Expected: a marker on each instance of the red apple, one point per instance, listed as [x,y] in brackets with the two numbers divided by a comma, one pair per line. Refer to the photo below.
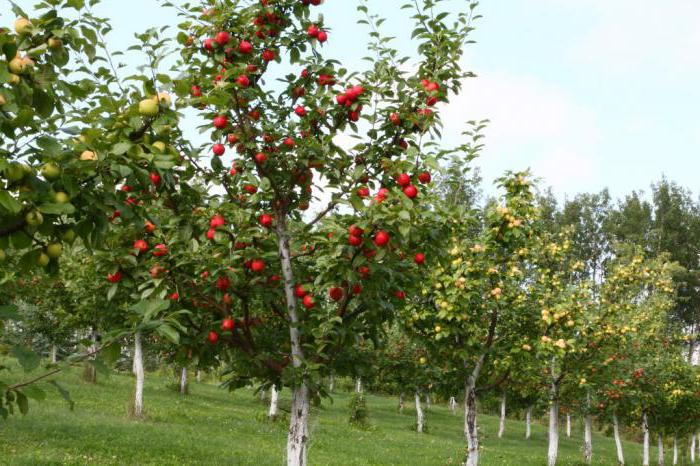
[354,240]
[245,47]
[268,55]
[299,291]
[322,36]
[222,38]
[217,221]
[257,266]
[381,238]
[243,80]
[115,277]
[220,121]
[424,177]
[222,283]
[227,325]
[335,293]
[300,111]
[312,30]
[213,337]
[155,178]
[149,227]
[400,294]
[260,158]
[265,220]
[308,302]
[141,246]
[410,191]
[419,258]
[218,149]
[403,179]
[159,250]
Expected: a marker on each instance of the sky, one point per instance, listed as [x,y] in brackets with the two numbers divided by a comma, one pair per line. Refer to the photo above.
[588,94]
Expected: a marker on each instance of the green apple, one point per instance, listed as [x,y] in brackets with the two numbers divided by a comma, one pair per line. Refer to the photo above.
[34,218]
[22,26]
[54,250]
[51,171]
[148,108]
[14,172]
[61,198]
[43,260]
[68,236]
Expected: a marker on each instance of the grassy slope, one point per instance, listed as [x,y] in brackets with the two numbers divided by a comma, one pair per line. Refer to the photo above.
[211,426]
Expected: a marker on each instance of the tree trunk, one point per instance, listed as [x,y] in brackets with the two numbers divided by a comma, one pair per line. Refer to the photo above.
[471,429]
[645,448]
[502,421]
[675,450]
[618,441]
[90,371]
[54,354]
[453,405]
[427,401]
[198,376]
[568,425]
[183,381]
[331,383]
[660,450]
[358,385]
[588,438]
[297,438]
[692,448]
[419,414]
[553,429]
[138,372]
[528,422]
[274,397]
[401,402]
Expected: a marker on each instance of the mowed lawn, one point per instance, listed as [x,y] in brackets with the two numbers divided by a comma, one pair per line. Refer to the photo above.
[211,426]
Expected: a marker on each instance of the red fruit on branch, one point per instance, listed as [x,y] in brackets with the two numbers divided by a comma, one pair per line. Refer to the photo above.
[354,230]
[322,36]
[245,47]
[299,291]
[400,294]
[403,179]
[395,119]
[149,227]
[223,283]
[211,234]
[217,221]
[424,177]
[308,302]
[218,149]
[381,195]
[196,91]
[356,289]
[220,121]
[213,337]
[265,220]
[250,189]
[363,192]
[222,38]
[289,142]
[312,31]
[268,55]
[300,111]
[381,238]
[115,277]
[257,266]
[208,44]
[159,250]
[155,178]
[231,138]
[410,191]
[174,296]
[260,158]
[141,246]
[335,293]
[354,240]
[243,80]
[227,325]
[419,258]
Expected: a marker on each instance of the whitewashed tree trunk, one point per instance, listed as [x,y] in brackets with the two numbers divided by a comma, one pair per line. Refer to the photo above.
[502,420]
[471,429]
[692,448]
[618,441]
[274,398]
[401,402]
[54,354]
[358,385]
[568,425]
[675,450]
[198,376]
[331,383]
[528,422]
[427,401]
[91,371]
[645,447]
[588,438]
[553,429]
[139,373]
[453,405]
[183,381]
[298,434]
[419,414]
[660,450]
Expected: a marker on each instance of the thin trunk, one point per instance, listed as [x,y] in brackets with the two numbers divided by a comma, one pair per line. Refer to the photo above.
[645,448]
[502,422]
[528,422]
[298,435]
[358,385]
[553,430]
[198,376]
[331,383]
[692,448]
[90,371]
[470,427]
[54,354]
[675,450]
[401,402]
[419,414]
[274,397]
[183,381]
[138,372]
[453,405]
[427,401]
[568,425]
[660,450]
[588,438]
[618,441]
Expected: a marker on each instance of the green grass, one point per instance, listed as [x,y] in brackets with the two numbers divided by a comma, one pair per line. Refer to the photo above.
[211,426]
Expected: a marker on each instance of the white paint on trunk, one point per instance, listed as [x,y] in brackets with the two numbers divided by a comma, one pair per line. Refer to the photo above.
[139,373]
[528,422]
[471,427]
[588,438]
[502,420]
[692,448]
[660,450]
[274,398]
[618,441]
[453,405]
[297,437]
[54,354]
[675,450]
[427,400]
[331,383]
[553,429]
[419,414]
[645,448]
[568,425]
[358,385]
[401,402]
[183,381]
[198,376]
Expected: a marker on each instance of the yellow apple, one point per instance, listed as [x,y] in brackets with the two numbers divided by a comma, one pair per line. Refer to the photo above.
[22,25]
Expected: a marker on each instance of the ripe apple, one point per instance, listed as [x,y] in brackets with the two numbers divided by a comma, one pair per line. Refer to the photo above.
[227,325]
[245,47]
[213,337]
[257,266]
[400,294]
[363,192]
[223,283]
[159,250]
[222,38]
[308,302]
[299,291]
[227,298]
[424,177]
[403,179]
[266,220]
[60,197]
[410,191]
[356,289]
[220,121]
[34,218]
[22,26]
[395,119]
[419,258]
[322,36]
[50,171]
[335,293]
[260,158]
[217,221]
[354,240]
[243,80]
[141,246]
[196,91]
[300,111]
[88,155]
[312,31]
[43,260]
[54,43]
[354,230]
[155,178]
[149,227]
[218,149]
[381,238]
[174,296]
[156,271]
[148,108]
[115,277]
[268,55]
[54,250]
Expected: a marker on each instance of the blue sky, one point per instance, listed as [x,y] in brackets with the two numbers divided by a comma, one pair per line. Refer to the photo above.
[587,93]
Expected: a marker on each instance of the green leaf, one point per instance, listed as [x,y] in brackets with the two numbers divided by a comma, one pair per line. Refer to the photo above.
[169,332]
[27,358]
[22,402]
[9,203]
[57,209]
[64,393]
